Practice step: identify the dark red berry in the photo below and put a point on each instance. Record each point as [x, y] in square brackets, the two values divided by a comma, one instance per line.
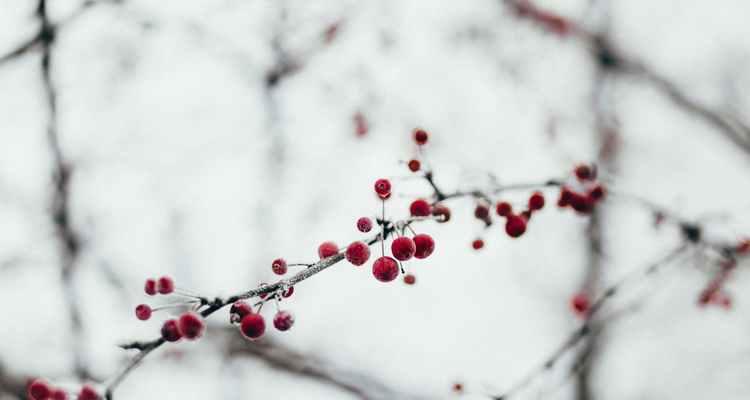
[191, 325]
[442, 213]
[170, 331]
[58, 394]
[327, 249]
[536, 201]
[38, 390]
[403, 248]
[503, 208]
[238, 311]
[88, 393]
[383, 188]
[482, 212]
[583, 172]
[358, 253]
[515, 226]
[477, 244]
[420, 136]
[143, 312]
[414, 165]
[565, 196]
[364, 224]
[253, 326]
[288, 292]
[385, 269]
[279, 266]
[580, 304]
[150, 287]
[165, 285]
[597, 192]
[424, 245]
[283, 320]
[420, 208]
[582, 204]
[410, 279]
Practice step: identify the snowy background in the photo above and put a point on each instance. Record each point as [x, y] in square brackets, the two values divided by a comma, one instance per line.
[187, 162]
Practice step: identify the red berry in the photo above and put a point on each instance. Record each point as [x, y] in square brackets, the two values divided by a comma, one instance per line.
[482, 212]
[150, 287]
[288, 292]
[442, 212]
[38, 390]
[597, 192]
[515, 226]
[327, 249]
[253, 326]
[170, 332]
[503, 208]
[582, 204]
[58, 394]
[279, 266]
[420, 136]
[143, 312]
[165, 285]
[580, 304]
[238, 311]
[385, 269]
[283, 320]
[383, 188]
[191, 325]
[424, 245]
[364, 224]
[565, 196]
[358, 253]
[88, 393]
[477, 244]
[584, 172]
[420, 208]
[743, 247]
[414, 165]
[410, 279]
[536, 201]
[403, 248]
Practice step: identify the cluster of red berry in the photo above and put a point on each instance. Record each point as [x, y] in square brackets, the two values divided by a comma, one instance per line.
[582, 193]
[39, 389]
[252, 325]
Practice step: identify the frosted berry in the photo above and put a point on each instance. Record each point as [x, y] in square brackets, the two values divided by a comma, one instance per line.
[403, 248]
[385, 269]
[584, 172]
[358, 253]
[283, 320]
[536, 201]
[515, 226]
[165, 285]
[420, 208]
[424, 245]
[383, 188]
[253, 326]
[364, 224]
[414, 165]
[503, 208]
[580, 304]
[477, 244]
[288, 292]
[420, 136]
[239, 310]
[327, 249]
[279, 266]
[442, 213]
[170, 332]
[191, 325]
[143, 312]
[39, 390]
[150, 287]
[58, 394]
[88, 393]
[410, 279]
